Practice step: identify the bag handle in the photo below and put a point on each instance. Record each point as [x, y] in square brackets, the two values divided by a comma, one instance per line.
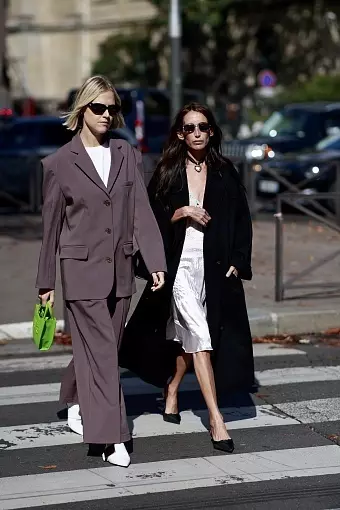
[48, 309]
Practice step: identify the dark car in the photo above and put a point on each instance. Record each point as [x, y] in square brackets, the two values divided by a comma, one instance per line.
[316, 166]
[294, 128]
[147, 113]
[25, 141]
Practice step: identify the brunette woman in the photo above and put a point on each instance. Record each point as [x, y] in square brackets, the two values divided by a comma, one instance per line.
[201, 208]
[96, 210]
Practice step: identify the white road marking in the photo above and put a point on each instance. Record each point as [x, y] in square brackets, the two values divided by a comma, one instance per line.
[57, 361]
[313, 411]
[146, 425]
[166, 476]
[49, 392]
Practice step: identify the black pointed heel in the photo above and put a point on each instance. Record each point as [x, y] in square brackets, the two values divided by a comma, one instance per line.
[226, 445]
[172, 418]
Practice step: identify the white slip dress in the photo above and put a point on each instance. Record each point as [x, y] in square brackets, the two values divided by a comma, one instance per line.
[188, 323]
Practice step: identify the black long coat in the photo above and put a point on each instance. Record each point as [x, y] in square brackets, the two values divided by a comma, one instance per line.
[227, 241]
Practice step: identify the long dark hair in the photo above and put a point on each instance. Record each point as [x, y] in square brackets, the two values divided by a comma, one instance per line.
[173, 159]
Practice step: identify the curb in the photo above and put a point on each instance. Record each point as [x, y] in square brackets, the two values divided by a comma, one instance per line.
[263, 324]
[20, 330]
[280, 323]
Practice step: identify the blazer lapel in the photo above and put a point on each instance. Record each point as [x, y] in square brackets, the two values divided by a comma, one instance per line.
[117, 158]
[84, 162]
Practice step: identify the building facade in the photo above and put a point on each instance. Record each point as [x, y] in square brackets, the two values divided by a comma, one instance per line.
[52, 44]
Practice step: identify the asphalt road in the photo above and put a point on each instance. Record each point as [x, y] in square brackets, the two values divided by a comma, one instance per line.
[287, 452]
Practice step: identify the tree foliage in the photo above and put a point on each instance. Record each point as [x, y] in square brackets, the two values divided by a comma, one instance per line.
[225, 44]
[318, 88]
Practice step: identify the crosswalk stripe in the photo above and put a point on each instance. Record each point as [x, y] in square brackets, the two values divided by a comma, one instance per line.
[57, 361]
[307, 456]
[166, 476]
[312, 411]
[146, 425]
[150, 424]
[49, 392]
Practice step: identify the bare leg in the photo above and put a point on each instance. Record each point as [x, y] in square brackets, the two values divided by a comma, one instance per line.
[205, 376]
[182, 364]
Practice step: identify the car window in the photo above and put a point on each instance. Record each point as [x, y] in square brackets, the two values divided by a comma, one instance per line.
[291, 122]
[332, 123]
[156, 103]
[329, 143]
[27, 135]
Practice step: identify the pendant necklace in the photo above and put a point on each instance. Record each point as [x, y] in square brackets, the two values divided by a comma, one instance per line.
[197, 164]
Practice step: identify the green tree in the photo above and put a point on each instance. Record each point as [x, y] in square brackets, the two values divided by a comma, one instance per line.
[317, 88]
[225, 45]
[129, 58]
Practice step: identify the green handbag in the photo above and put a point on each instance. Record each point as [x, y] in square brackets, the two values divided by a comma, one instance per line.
[44, 326]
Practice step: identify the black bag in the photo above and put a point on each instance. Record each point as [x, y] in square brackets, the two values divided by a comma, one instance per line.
[144, 349]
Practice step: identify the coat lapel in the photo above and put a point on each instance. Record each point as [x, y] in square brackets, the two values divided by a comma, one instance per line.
[180, 191]
[214, 188]
[117, 158]
[83, 161]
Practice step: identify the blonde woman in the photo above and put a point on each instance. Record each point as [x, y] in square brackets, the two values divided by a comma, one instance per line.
[97, 212]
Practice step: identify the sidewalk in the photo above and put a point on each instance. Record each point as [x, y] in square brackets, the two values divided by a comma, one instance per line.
[302, 311]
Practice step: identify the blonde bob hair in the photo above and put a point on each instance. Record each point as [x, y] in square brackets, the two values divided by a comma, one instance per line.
[88, 92]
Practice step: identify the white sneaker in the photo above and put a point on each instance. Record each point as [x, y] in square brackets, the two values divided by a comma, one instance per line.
[119, 457]
[74, 419]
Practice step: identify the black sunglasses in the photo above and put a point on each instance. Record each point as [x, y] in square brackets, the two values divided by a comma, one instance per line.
[100, 108]
[202, 126]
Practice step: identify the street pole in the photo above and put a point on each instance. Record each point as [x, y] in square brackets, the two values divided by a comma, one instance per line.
[3, 89]
[175, 32]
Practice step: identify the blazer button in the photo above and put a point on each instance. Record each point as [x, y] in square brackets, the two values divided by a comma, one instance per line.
[108, 230]
[218, 262]
[108, 260]
[107, 203]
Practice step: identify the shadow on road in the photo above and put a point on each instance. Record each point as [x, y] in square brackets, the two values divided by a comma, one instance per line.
[23, 227]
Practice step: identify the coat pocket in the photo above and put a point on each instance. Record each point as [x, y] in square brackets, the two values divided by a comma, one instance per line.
[128, 249]
[76, 252]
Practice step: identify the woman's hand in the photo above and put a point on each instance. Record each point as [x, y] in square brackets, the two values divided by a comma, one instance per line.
[195, 213]
[158, 280]
[232, 270]
[46, 295]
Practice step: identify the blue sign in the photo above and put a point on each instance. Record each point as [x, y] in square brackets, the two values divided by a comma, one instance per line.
[267, 78]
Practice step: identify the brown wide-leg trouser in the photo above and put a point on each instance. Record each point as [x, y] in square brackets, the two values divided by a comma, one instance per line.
[92, 377]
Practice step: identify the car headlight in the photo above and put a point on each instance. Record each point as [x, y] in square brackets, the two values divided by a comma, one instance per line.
[312, 172]
[259, 152]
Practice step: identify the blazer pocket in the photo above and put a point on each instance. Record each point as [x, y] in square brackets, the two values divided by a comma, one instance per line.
[128, 249]
[76, 252]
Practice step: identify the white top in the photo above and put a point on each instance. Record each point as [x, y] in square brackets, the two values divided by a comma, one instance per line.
[101, 158]
[194, 231]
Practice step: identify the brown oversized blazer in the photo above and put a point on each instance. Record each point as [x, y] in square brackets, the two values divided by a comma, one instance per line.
[96, 227]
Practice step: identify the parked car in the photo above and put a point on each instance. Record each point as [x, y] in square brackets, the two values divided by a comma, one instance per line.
[319, 163]
[147, 112]
[294, 128]
[27, 139]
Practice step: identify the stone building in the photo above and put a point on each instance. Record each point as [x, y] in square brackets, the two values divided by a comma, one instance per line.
[53, 43]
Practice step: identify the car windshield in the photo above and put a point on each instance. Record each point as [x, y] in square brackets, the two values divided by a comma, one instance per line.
[331, 142]
[30, 135]
[292, 122]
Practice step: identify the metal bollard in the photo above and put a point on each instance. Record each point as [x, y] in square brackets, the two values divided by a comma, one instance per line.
[279, 288]
[337, 196]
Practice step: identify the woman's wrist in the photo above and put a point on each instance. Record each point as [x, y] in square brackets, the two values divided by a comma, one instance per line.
[184, 211]
[179, 214]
